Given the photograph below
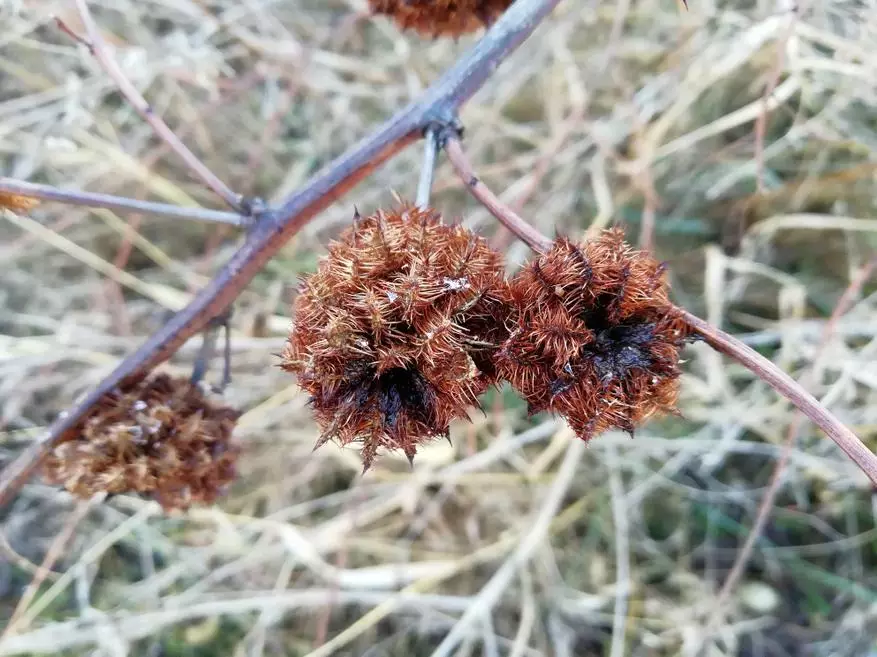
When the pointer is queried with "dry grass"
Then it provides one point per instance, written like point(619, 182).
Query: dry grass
point(516, 541)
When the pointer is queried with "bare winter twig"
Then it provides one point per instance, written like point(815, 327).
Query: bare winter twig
point(506, 216)
point(98, 48)
point(119, 203)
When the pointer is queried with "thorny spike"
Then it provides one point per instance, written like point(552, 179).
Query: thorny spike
point(410, 452)
point(321, 440)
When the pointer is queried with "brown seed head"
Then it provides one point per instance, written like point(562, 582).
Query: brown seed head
point(441, 17)
point(160, 437)
point(595, 336)
point(17, 202)
point(394, 335)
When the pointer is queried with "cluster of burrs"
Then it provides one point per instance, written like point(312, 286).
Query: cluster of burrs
point(434, 18)
point(160, 437)
point(408, 319)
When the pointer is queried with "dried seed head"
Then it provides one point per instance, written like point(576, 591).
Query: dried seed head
point(394, 335)
point(596, 338)
point(441, 17)
point(160, 437)
point(17, 202)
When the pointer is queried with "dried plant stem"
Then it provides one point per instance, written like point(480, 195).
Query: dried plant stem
point(438, 104)
point(791, 390)
point(766, 505)
point(531, 540)
point(506, 216)
point(98, 48)
point(427, 172)
point(58, 546)
point(119, 203)
point(715, 337)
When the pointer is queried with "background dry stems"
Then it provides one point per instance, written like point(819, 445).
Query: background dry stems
point(267, 92)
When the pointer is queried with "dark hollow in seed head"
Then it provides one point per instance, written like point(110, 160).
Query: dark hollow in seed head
point(394, 335)
point(434, 18)
point(595, 336)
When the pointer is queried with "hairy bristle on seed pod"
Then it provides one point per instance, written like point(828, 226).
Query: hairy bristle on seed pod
point(441, 17)
point(160, 438)
point(594, 337)
point(394, 334)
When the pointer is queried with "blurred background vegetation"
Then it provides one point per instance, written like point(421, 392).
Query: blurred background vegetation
point(740, 136)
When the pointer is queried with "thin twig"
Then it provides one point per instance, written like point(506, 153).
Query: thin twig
point(766, 505)
point(58, 547)
point(506, 216)
point(715, 337)
point(98, 48)
point(622, 553)
point(438, 104)
point(427, 172)
point(119, 203)
point(791, 390)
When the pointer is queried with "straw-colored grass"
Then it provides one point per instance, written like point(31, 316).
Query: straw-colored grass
point(738, 137)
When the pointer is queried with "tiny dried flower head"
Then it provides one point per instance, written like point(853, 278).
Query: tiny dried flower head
point(595, 337)
point(159, 437)
point(394, 334)
point(441, 17)
point(17, 202)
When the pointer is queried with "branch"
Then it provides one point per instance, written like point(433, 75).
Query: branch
point(120, 203)
point(438, 104)
point(766, 505)
point(715, 337)
point(98, 48)
point(791, 390)
point(506, 216)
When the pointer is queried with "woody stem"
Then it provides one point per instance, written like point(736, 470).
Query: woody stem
point(118, 203)
point(506, 216)
point(96, 45)
point(427, 172)
point(791, 390)
point(722, 342)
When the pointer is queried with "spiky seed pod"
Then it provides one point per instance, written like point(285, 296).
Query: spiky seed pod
point(394, 335)
point(17, 202)
point(160, 437)
point(434, 18)
point(595, 337)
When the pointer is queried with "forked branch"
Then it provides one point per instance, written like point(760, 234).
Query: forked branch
point(439, 103)
point(118, 203)
point(96, 45)
point(715, 337)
